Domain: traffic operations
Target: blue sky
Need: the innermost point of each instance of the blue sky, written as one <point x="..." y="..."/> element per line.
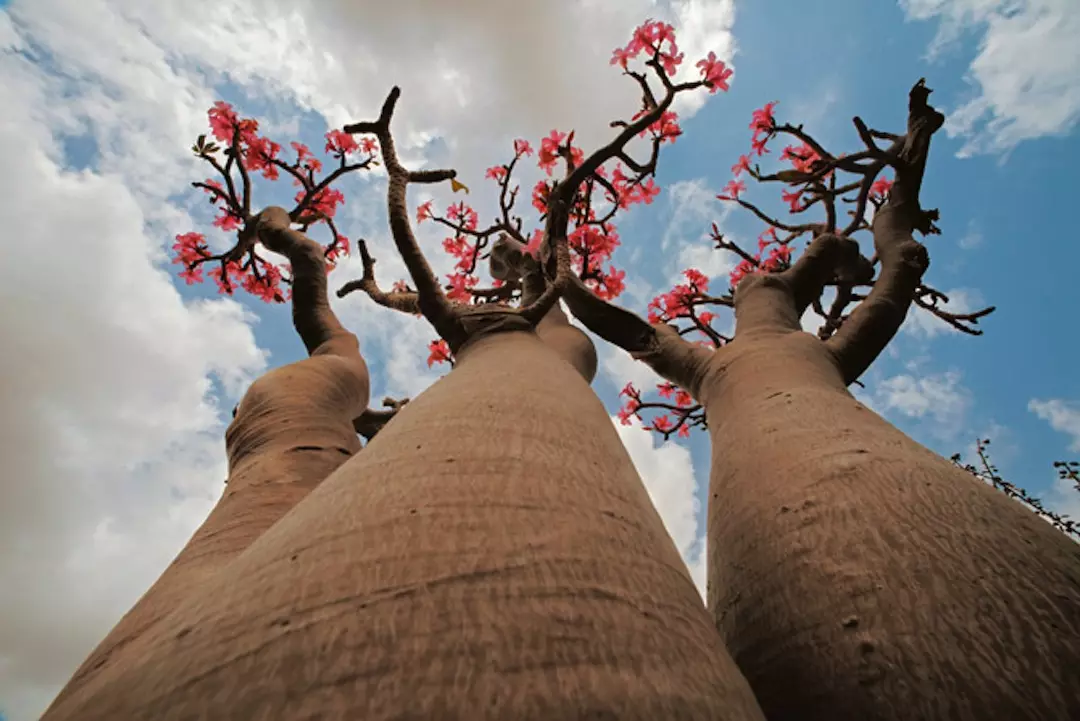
<point x="126" y="377"/>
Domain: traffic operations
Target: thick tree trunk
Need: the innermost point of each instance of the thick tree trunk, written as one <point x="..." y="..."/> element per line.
<point x="293" y="427"/>
<point x="857" y="575"/>
<point x="492" y="554"/>
<point x="292" y="430"/>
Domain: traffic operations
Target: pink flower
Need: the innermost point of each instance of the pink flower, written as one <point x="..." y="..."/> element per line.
<point x="647" y="191"/>
<point x="793" y="198"/>
<point x="621" y="56"/>
<point x="540" y="196"/>
<point x="522" y="147"/>
<point x="662" y="423"/>
<point x="423" y="212"/>
<point x="260" y="155"/>
<point x="697" y="279"/>
<point x="302" y="151"/>
<point x="881" y="188"/>
<point x="742" y="165"/>
<point x="192" y="274"/>
<point x="762" y="120"/>
<point x="223" y="121"/>
<point x="439" y="352"/>
<point x="537" y="238"/>
<point x="802" y="158"/>
<point x="460" y="285"/>
<point x="714" y="72"/>
<point x="189" y="247"/>
<point x="611" y="284"/>
<point x="732" y="189"/>
<point x="549" y="150"/>
<point x="324" y="203"/>
<point x="340" y="143"/>
<point x="463" y="215"/>
<point x="227" y="221"/>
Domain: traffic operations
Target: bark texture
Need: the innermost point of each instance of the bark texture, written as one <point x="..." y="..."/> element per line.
<point x="293" y="427"/>
<point x="856" y="574"/>
<point x="485" y="557"/>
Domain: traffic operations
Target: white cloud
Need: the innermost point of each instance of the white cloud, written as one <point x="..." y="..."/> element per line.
<point x="972" y="239"/>
<point x="815" y="109"/>
<point x="469" y="71"/>
<point x="668" y="473"/>
<point x="1063" y="416"/>
<point x="111" y="426"/>
<point x="621" y="369"/>
<point x="937" y="399"/>
<point x="1025" y="77"/>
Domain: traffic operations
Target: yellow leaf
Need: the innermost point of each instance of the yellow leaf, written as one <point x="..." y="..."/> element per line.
<point x="456" y="186"/>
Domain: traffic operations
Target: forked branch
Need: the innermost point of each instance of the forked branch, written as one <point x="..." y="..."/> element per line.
<point x="872" y="325"/>
<point x="433" y="304"/>
<point x="404" y="301"/>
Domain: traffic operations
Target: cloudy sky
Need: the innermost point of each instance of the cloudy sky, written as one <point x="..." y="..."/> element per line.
<point x="115" y="382"/>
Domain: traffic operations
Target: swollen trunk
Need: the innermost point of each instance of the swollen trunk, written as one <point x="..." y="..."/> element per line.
<point x="855" y="574"/>
<point x="492" y="554"/>
<point x="292" y="429"/>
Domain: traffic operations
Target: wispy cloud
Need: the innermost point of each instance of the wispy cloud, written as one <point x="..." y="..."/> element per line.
<point x="1062" y="415"/>
<point x="1025" y="77"/>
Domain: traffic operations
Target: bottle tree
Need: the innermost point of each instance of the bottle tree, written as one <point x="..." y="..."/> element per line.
<point x="852" y="572"/>
<point x="491" y="552"/>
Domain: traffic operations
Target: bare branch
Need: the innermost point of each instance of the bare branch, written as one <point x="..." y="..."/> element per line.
<point x="372" y="421"/>
<point x="406" y="302"/>
<point x="903" y="260"/>
<point x="432" y="302"/>
<point x="315" y="322"/>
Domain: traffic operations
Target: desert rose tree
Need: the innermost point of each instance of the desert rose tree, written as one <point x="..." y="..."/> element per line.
<point x="852" y="572"/>
<point x="295" y="424"/>
<point x="492" y="553"/>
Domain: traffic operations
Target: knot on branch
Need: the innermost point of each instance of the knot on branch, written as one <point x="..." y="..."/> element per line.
<point x="273" y="228"/>
<point x="510" y="260"/>
<point x="914" y="255"/>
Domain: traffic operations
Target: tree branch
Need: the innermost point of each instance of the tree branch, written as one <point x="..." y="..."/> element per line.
<point x="372" y="421"/>
<point x="313" y="319"/>
<point x="433" y="304"/>
<point x="828" y="258"/>
<point x="876" y="320"/>
<point x="404" y="301"/>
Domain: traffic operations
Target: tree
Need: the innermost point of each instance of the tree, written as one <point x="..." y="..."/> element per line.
<point x="852" y="571"/>
<point x="492" y="553"/>
<point x="294" y="426"/>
